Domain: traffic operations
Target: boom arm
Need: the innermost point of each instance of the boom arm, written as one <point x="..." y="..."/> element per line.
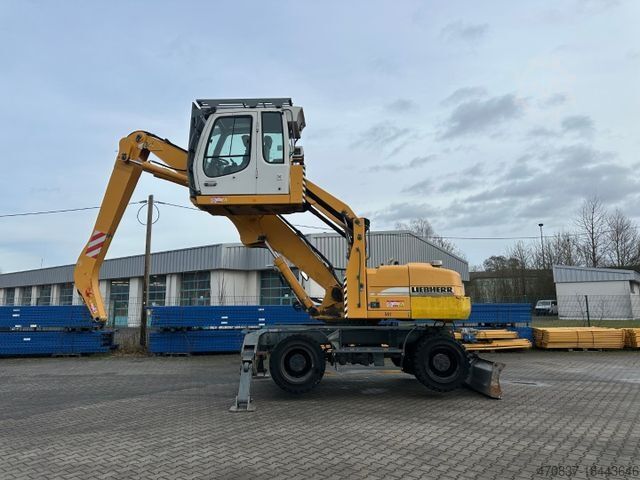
<point x="132" y="160"/>
<point x="268" y="230"/>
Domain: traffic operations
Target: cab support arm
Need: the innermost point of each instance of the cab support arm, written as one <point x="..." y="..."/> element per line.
<point x="272" y="232"/>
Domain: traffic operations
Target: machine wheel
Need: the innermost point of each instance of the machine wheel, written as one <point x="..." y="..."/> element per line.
<point x="440" y="363"/>
<point x="297" y="364"/>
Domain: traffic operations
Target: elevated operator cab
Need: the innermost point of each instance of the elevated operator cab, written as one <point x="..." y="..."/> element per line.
<point x="243" y="157"/>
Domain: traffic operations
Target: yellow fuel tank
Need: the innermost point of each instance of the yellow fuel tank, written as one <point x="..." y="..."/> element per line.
<point x="416" y="291"/>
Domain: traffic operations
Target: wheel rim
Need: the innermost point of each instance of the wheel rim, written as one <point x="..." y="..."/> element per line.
<point x="297" y="364"/>
<point x="443" y="365"/>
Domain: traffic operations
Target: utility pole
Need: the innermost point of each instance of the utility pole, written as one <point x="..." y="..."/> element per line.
<point x="542" y="244"/>
<point x="147" y="271"/>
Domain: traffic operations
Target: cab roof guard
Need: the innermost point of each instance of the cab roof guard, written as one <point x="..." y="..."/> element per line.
<point x="244" y="103"/>
<point x="203" y="108"/>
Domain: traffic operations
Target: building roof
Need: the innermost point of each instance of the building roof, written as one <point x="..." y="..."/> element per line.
<point x="564" y="274"/>
<point x="402" y="246"/>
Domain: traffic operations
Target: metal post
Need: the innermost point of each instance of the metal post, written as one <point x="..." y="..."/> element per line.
<point x="542" y="244"/>
<point x="147" y="271"/>
<point x="586" y="301"/>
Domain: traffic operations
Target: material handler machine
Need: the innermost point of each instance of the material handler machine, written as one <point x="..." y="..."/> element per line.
<point x="243" y="162"/>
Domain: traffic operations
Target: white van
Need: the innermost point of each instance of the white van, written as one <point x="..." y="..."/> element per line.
<point x="546" y="307"/>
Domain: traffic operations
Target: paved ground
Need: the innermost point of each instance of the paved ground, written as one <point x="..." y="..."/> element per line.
<point x="167" y="418"/>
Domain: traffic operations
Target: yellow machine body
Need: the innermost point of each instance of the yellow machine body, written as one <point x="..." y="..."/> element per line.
<point x="416" y="291"/>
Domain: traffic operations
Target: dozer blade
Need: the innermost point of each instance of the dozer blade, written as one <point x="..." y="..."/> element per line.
<point x="484" y="377"/>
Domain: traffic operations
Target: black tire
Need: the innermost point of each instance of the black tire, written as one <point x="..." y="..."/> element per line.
<point x="297" y="364"/>
<point x="440" y="363"/>
<point x="406" y="365"/>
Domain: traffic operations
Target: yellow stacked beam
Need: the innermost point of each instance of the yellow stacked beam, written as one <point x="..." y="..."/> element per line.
<point x="632" y="337"/>
<point x="509" y="344"/>
<point x="498" y="339"/>
<point x="579" y="337"/>
<point x="496" y="334"/>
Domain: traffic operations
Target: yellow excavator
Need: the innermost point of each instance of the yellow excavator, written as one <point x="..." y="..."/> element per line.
<point x="243" y="162"/>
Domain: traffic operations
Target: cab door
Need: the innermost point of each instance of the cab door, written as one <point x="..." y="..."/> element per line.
<point x="226" y="156"/>
<point x="273" y="154"/>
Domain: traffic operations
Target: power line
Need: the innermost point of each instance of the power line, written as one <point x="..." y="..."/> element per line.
<point x="50" y="212"/>
<point x="46" y="212"/>
<point x="433" y="237"/>
<point x="178" y="206"/>
<point x="198" y="210"/>
<point x="535" y="237"/>
<point x="532" y="237"/>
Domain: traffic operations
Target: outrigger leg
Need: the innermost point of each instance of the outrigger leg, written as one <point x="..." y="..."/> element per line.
<point x="249" y="349"/>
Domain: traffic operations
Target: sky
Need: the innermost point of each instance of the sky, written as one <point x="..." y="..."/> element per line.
<point x="486" y="118"/>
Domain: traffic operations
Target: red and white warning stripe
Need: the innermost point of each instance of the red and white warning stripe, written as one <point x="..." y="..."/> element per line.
<point x="95" y="243"/>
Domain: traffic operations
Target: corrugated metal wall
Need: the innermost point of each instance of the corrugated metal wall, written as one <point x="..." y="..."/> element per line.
<point x="565" y="274"/>
<point x="383" y="246"/>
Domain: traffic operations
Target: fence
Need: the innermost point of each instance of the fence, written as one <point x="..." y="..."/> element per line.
<point x="598" y="308"/>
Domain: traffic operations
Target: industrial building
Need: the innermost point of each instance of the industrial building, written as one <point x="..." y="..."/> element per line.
<point x="597" y="293"/>
<point x="223" y="274"/>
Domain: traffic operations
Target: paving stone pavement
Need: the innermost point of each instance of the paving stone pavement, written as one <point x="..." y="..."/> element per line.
<point x="168" y="418"/>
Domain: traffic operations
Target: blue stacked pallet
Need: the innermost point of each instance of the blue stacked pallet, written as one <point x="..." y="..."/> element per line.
<point x="208" y="329"/>
<point x="500" y="314"/>
<point x="51" y="330"/>
<point x="513" y="316"/>
<point x="49" y="317"/>
<point x="55" y="342"/>
<point x="250" y="316"/>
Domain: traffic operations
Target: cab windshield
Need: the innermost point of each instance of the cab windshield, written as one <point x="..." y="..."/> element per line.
<point x="229" y="146"/>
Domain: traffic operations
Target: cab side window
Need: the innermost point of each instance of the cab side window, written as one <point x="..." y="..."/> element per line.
<point x="229" y="146"/>
<point x="272" y="137"/>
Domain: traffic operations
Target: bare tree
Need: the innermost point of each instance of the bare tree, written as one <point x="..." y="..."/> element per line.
<point x="521" y="254"/>
<point x="592" y="225"/>
<point x="622" y="239"/>
<point x="420" y="226"/>
<point x="423" y="228"/>
<point x="562" y="249"/>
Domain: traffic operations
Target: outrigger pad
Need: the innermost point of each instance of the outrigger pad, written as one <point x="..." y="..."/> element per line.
<point x="484" y="377"/>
